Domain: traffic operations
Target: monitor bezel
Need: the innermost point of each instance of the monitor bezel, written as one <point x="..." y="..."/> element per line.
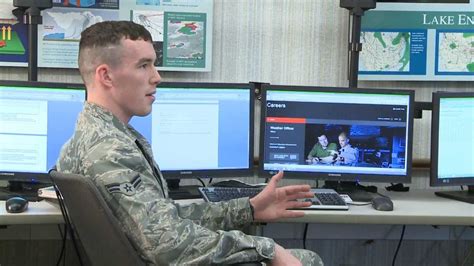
<point x="434" y="180"/>
<point x="216" y="173"/>
<point x="337" y="176"/>
<point x="33" y="177"/>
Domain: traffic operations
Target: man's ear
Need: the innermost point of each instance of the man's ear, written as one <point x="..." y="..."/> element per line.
<point x="103" y="74"/>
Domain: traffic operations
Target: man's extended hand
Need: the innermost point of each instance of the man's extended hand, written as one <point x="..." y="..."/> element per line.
<point x="273" y="202"/>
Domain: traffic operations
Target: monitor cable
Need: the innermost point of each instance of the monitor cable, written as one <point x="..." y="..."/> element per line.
<point x="201" y="181"/>
<point x="464" y="262"/>
<point x="399" y="244"/>
<point x="371" y="189"/>
<point x="305" y="234"/>
<point x="68" y="225"/>
<point x="399" y="187"/>
<point x="63" y="246"/>
<point x="358" y="204"/>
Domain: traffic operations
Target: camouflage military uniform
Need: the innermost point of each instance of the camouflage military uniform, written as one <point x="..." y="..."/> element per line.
<point x="119" y="161"/>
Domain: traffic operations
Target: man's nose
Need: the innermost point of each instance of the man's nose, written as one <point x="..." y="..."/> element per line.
<point x="156" y="79"/>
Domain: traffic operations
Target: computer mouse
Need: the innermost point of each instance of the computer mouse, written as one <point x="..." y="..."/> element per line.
<point x="382" y="204"/>
<point x="16" y="205"/>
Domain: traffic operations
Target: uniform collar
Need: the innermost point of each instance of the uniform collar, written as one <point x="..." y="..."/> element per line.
<point x="99" y="112"/>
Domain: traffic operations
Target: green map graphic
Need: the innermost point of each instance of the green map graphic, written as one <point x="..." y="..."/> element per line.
<point x="455" y="53"/>
<point x="14" y="46"/>
<point x="385" y="51"/>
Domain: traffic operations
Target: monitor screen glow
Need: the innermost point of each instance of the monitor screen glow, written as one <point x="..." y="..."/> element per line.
<point x="337" y="133"/>
<point x="452" y="149"/>
<point x="201" y="129"/>
<point x="36" y="119"/>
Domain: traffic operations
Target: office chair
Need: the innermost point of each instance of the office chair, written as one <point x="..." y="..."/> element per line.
<point x="99" y="231"/>
<point x="97" y="228"/>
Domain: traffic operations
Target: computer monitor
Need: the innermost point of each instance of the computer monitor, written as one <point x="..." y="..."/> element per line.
<point x="201" y="130"/>
<point x="427" y="1"/>
<point x="337" y="134"/>
<point x="452" y="144"/>
<point x="36" y="119"/>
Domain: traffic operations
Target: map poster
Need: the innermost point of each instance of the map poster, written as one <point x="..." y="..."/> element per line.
<point x="153" y="22"/>
<point x="418" y="42"/>
<point x="185" y="42"/>
<point x="181" y="31"/>
<point x="59" y="35"/>
<point x="13" y="37"/>
<point x="113" y="4"/>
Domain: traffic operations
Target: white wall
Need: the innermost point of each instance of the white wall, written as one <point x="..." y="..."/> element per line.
<point x="291" y="42"/>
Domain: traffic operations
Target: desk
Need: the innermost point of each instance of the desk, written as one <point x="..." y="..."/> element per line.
<point x="414" y="207"/>
<point x="42" y="212"/>
<point x="331" y="230"/>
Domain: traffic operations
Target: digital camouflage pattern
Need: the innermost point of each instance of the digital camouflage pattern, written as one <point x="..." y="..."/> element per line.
<point x="116" y="157"/>
<point x="307" y="257"/>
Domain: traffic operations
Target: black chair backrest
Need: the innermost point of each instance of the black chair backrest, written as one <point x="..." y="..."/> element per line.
<point x="99" y="231"/>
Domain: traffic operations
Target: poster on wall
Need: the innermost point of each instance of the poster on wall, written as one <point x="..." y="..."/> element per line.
<point x="421" y="40"/>
<point x="13" y="37"/>
<point x="59" y="35"/>
<point x="181" y="31"/>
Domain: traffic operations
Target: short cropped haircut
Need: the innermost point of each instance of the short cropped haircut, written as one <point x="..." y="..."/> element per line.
<point x="101" y="44"/>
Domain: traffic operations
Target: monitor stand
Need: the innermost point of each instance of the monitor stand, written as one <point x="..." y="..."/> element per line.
<point x="177" y="192"/>
<point x="353" y="189"/>
<point x="24" y="189"/>
<point x="461" y="195"/>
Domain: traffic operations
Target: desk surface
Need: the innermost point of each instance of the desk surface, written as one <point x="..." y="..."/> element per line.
<point x="414" y="207"/>
<point x="42" y="212"/>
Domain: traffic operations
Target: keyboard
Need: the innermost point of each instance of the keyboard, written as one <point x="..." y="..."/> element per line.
<point x="216" y="194"/>
<point x="184" y="192"/>
<point x="324" y="199"/>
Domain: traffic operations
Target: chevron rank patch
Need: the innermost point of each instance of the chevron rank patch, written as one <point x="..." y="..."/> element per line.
<point x="126" y="188"/>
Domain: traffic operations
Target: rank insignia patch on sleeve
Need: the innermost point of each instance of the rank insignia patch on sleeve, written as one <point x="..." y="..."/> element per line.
<point x="127" y="188"/>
